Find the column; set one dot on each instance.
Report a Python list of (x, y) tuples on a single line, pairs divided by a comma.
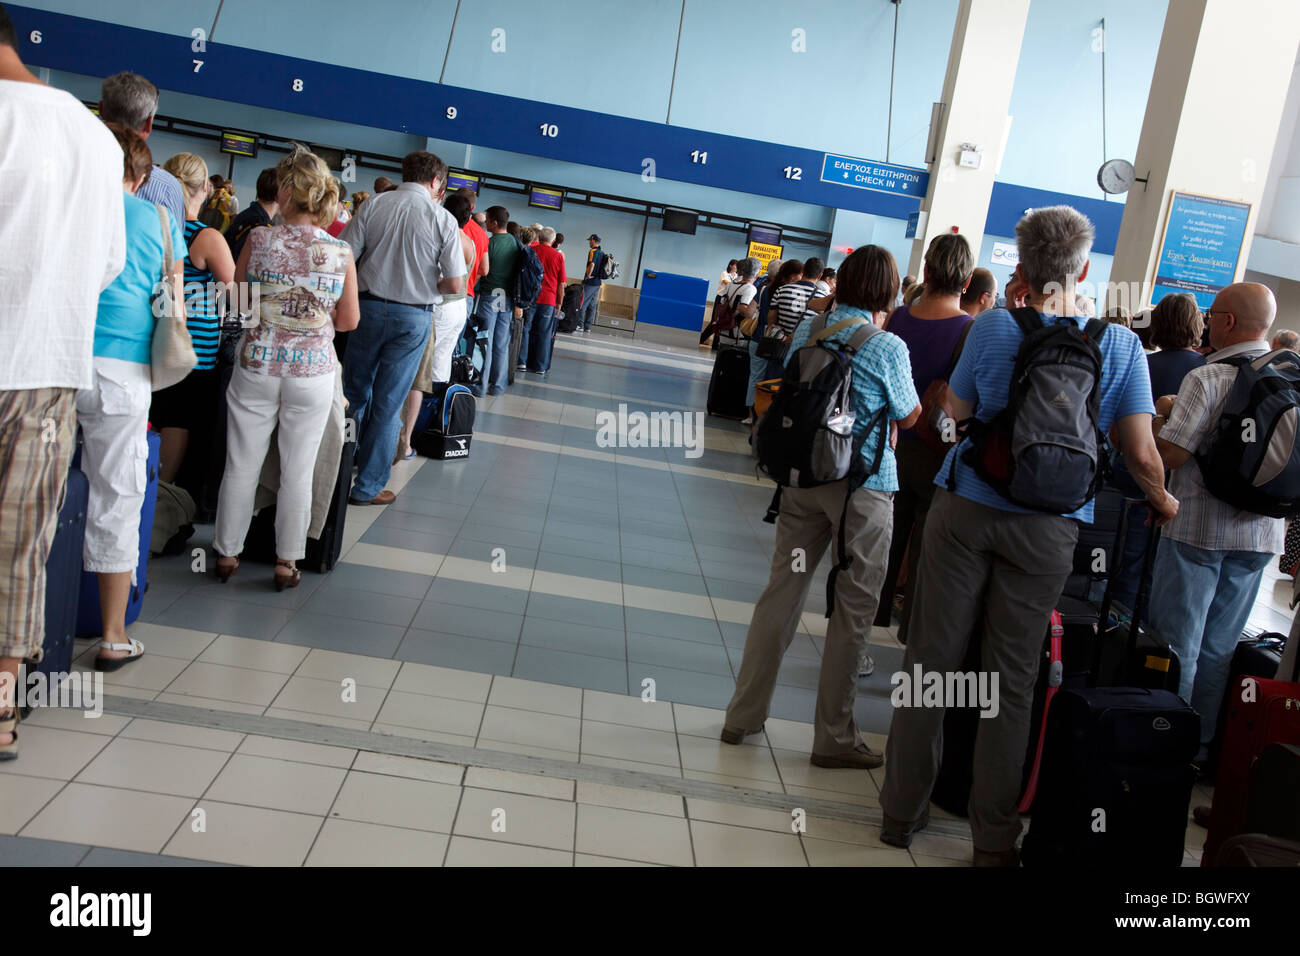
[(977, 95), (1217, 100)]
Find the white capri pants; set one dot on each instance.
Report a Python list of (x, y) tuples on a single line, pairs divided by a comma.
[(257, 403), (114, 416)]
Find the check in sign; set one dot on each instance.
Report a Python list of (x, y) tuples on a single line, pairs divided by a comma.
[(882, 177)]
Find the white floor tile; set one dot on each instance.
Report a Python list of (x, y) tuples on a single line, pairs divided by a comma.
[(105, 816), (248, 836), (397, 801), (345, 843), (276, 784), (157, 768), (516, 818), (629, 835)]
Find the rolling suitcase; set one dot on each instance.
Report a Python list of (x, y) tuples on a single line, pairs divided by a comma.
[(63, 576), (1260, 712), (1258, 656), (321, 553), (1133, 654), (1274, 805), (89, 623), (729, 382), (1116, 780), (1256, 849)]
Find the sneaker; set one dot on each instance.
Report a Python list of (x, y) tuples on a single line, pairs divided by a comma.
[(748, 421), (897, 833), (867, 668), (521, 367), (860, 757), (1201, 816)]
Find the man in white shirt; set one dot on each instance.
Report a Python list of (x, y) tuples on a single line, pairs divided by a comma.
[(1211, 559), (408, 253), (62, 241)]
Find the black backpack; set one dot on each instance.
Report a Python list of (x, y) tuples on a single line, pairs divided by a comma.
[(528, 276), (805, 438), (1045, 451), (1253, 462)]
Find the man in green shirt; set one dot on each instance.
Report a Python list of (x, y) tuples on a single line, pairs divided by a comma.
[(492, 298)]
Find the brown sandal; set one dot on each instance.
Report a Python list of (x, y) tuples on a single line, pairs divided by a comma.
[(289, 580)]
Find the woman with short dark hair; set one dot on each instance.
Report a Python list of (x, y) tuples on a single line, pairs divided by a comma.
[(1176, 329), (810, 518)]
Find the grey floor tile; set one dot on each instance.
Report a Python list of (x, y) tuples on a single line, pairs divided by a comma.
[(640, 541), (362, 577), (573, 529), (748, 591), (575, 670), (681, 563), (341, 634), (361, 605), (469, 621), (606, 551), (226, 617), (410, 540), (603, 570), (680, 626), (27, 851), (683, 655), (413, 502), (794, 703), (425, 524), (666, 526), (575, 638), (102, 856), (557, 608), (685, 687), (684, 582), (457, 651), (498, 536), (468, 594)]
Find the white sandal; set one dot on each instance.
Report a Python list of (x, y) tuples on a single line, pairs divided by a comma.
[(113, 663)]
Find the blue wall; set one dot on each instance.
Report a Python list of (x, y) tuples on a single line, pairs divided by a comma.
[(736, 73)]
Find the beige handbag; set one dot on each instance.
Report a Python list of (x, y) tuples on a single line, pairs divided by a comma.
[(172, 354)]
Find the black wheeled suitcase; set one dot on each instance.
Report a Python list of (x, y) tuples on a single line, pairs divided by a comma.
[(1274, 805), (729, 382), (323, 552), (63, 576), (1116, 780)]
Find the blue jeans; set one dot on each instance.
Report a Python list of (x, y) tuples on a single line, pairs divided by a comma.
[(590, 301), (499, 348), (487, 313), (542, 338), (529, 313), (383, 356), (1199, 603)]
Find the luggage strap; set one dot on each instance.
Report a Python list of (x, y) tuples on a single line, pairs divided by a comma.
[(1054, 674)]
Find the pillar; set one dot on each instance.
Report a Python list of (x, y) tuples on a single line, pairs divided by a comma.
[(1217, 100), (976, 96)]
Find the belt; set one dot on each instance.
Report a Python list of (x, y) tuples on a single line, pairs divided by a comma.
[(425, 307)]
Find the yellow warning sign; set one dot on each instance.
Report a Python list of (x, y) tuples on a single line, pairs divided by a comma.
[(764, 252)]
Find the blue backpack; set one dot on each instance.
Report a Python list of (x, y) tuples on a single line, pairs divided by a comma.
[(528, 278)]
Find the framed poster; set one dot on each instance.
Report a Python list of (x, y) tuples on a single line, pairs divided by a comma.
[(1201, 246)]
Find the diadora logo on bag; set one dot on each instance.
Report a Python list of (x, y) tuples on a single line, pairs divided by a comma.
[(460, 452)]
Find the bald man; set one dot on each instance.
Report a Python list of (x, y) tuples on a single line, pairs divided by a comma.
[(1212, 556), (1286, 339)]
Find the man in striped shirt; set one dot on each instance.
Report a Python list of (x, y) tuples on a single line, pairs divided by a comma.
[(791, 300)]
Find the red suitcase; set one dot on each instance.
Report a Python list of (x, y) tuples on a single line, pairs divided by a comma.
[(1266, 713)]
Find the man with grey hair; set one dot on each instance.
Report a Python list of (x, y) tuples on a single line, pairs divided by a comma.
[(1286, 339), (542, 337), (985, 558), (741, 295), (131, 100)]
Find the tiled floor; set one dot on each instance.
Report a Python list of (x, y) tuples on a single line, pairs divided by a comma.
[(561, 622)]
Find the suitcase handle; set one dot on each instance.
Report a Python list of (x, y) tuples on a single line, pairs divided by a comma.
[(1143, 597)]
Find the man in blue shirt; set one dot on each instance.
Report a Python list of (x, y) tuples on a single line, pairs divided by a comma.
[(810, 519), (132, 100), (986, 559)]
